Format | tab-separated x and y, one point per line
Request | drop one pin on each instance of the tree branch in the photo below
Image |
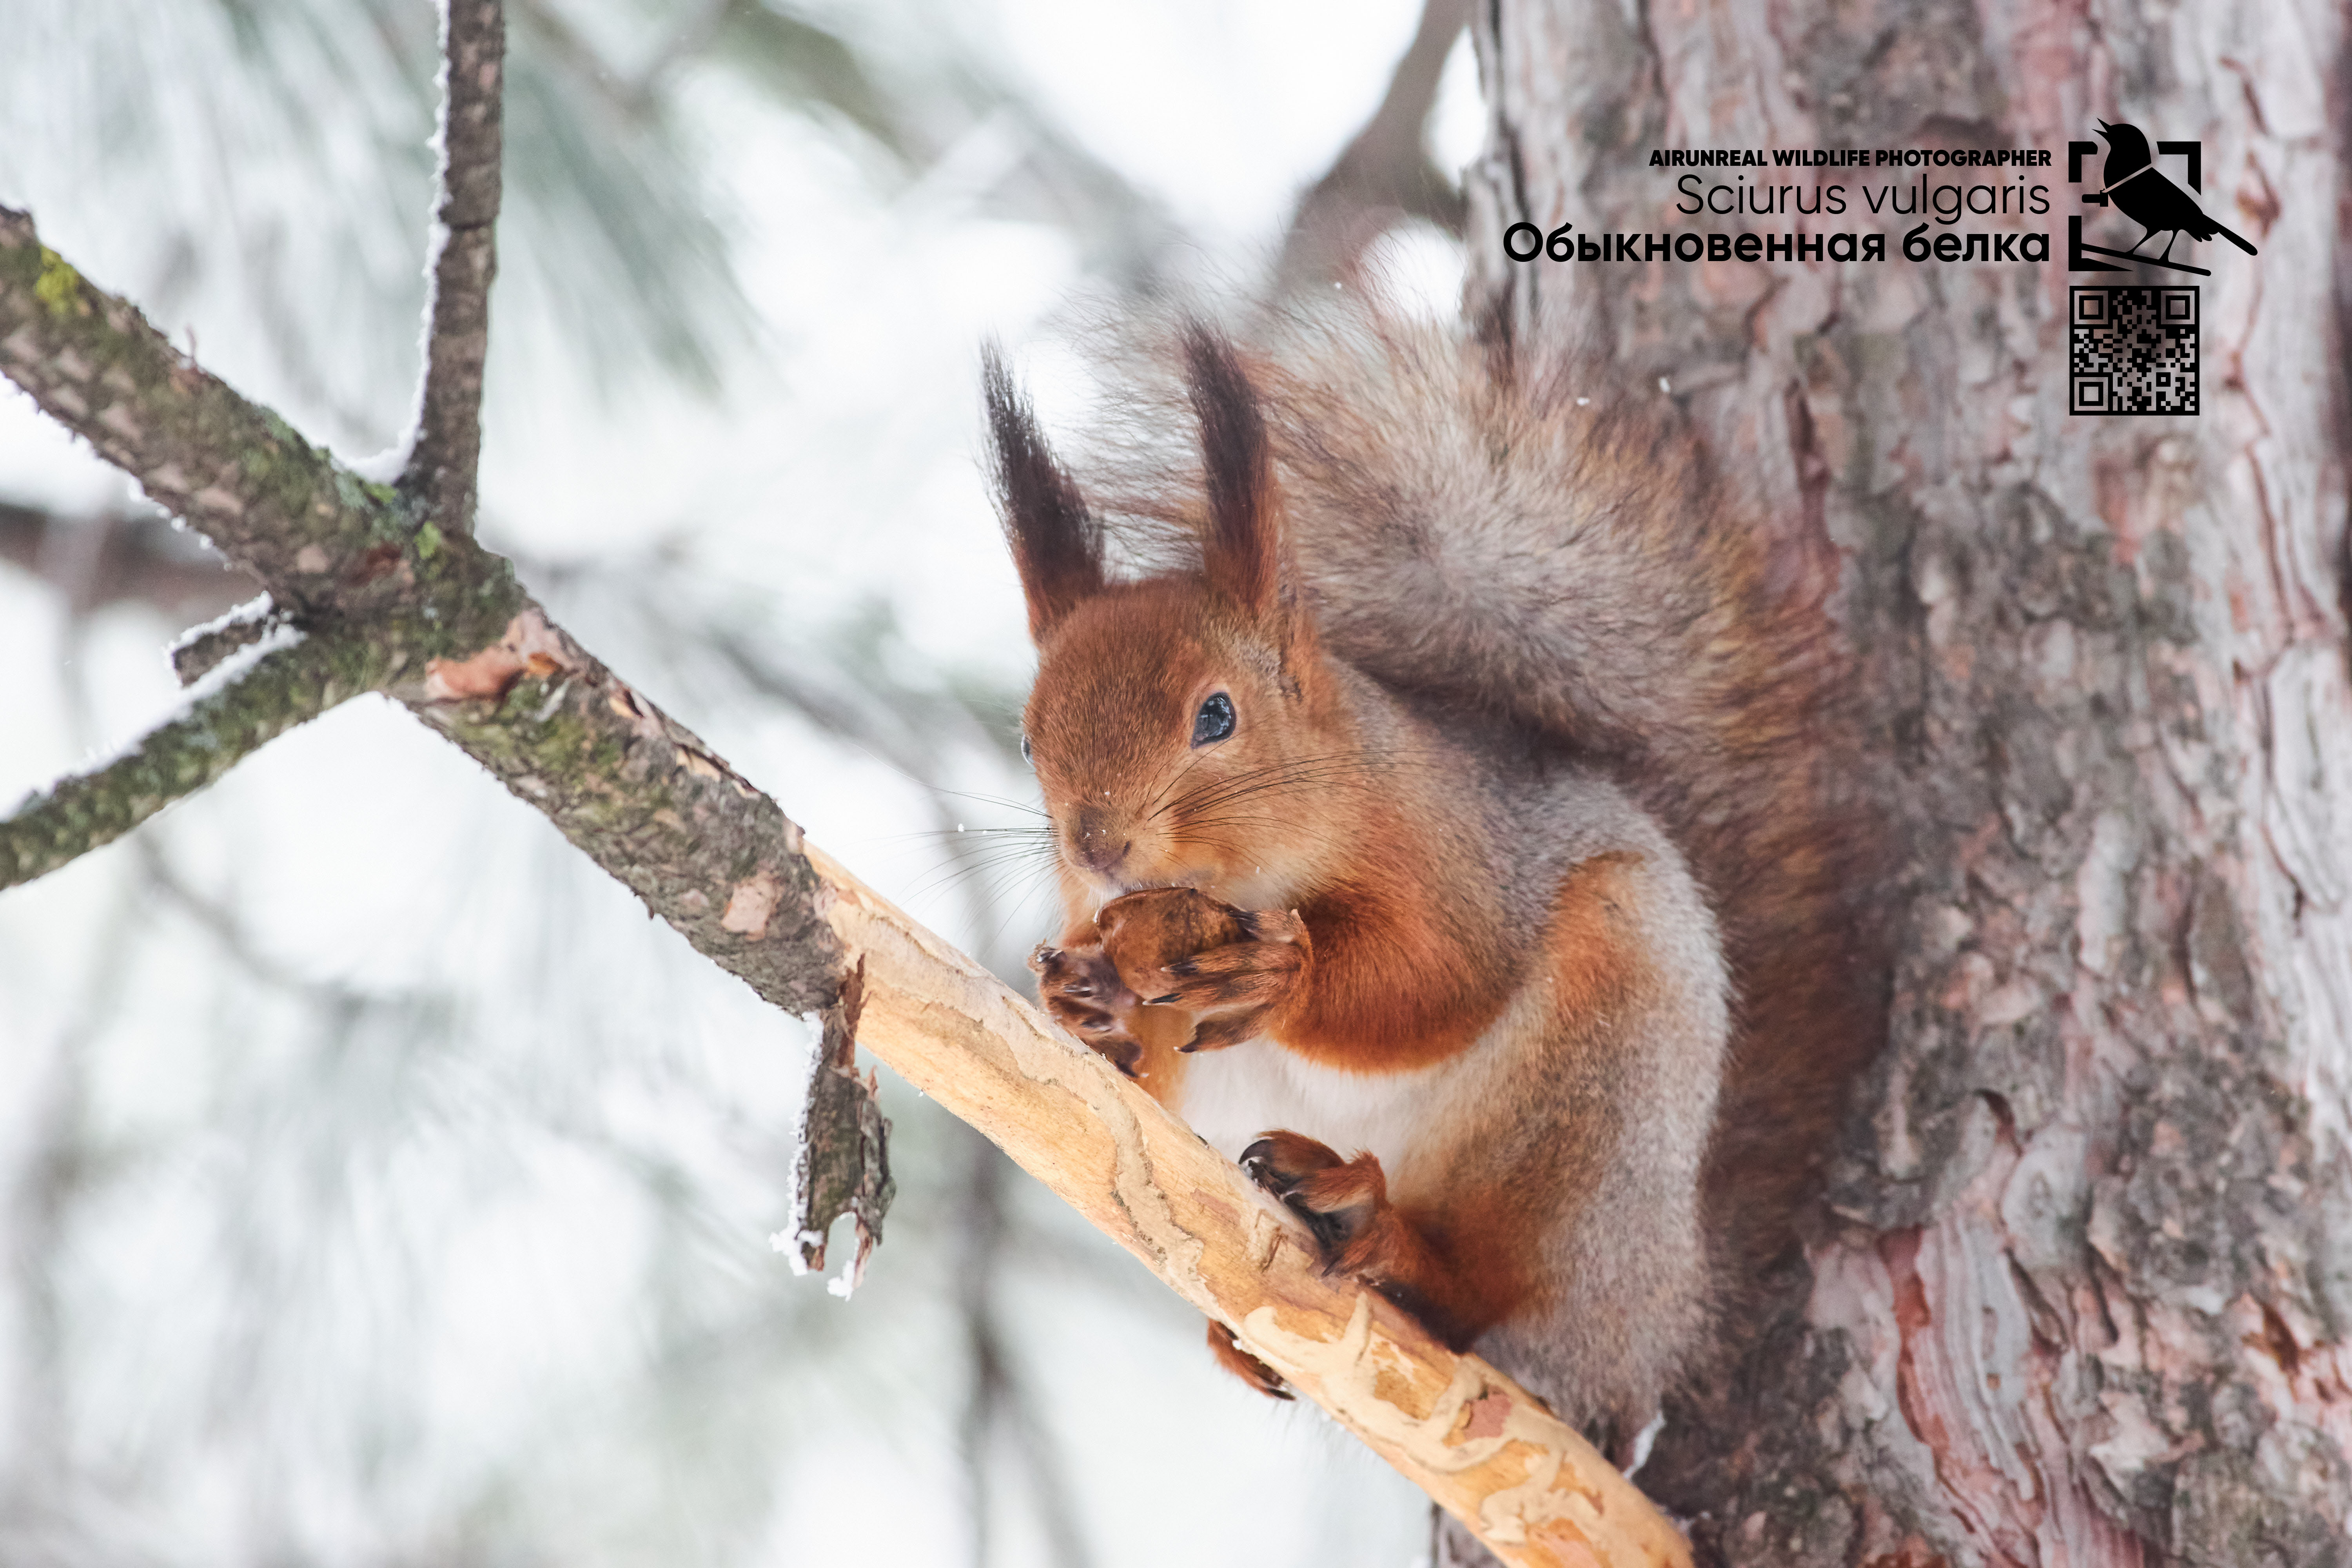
201	650
443	465
325	541
282	688
1385	173
650	803
120	557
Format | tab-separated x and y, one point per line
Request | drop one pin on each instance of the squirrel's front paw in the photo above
1082	990
1227	966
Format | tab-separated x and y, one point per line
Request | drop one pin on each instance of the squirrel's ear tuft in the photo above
1056	546
1242	553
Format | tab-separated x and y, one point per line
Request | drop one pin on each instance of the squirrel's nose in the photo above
1095	842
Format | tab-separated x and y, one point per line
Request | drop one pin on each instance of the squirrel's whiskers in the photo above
1458	798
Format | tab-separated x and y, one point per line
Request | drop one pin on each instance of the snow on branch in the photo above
441	625
252	697
443	462
327	543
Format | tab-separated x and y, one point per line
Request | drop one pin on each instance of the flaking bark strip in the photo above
845	1164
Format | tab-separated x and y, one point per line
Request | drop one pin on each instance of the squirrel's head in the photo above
1186	728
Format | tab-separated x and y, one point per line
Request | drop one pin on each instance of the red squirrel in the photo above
1448	830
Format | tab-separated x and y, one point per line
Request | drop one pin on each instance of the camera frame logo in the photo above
2134	349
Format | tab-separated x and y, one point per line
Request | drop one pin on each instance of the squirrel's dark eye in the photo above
1214	722
1026	756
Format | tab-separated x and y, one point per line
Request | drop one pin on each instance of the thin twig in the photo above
719	860
201	650
443	465
282	688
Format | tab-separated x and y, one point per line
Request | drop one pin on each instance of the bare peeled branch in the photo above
441	625
1532	1490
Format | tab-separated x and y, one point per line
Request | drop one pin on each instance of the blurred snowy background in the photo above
377	1185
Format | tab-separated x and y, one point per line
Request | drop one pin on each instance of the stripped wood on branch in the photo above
440	624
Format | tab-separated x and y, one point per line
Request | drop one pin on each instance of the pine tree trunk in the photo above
2082	1294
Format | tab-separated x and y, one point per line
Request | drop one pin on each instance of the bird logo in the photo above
2136	188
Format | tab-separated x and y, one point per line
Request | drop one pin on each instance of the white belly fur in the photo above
1231	1096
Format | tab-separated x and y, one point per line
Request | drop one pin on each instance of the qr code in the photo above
2133	351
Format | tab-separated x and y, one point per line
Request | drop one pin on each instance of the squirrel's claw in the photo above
1338	1199
1242	975
1357	1231
1085	995
1231	987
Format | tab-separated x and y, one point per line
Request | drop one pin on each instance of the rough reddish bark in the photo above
2083	1294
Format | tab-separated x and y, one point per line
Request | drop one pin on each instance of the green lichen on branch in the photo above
284	687
327	543
362	567
647	800
57	285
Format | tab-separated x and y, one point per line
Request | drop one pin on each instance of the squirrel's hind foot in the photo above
1345	1203
1358	1232
1243	1365
1338	1199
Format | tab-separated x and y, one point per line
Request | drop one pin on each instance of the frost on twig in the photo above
844	1165
201	650
443	624
258	694
442	466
